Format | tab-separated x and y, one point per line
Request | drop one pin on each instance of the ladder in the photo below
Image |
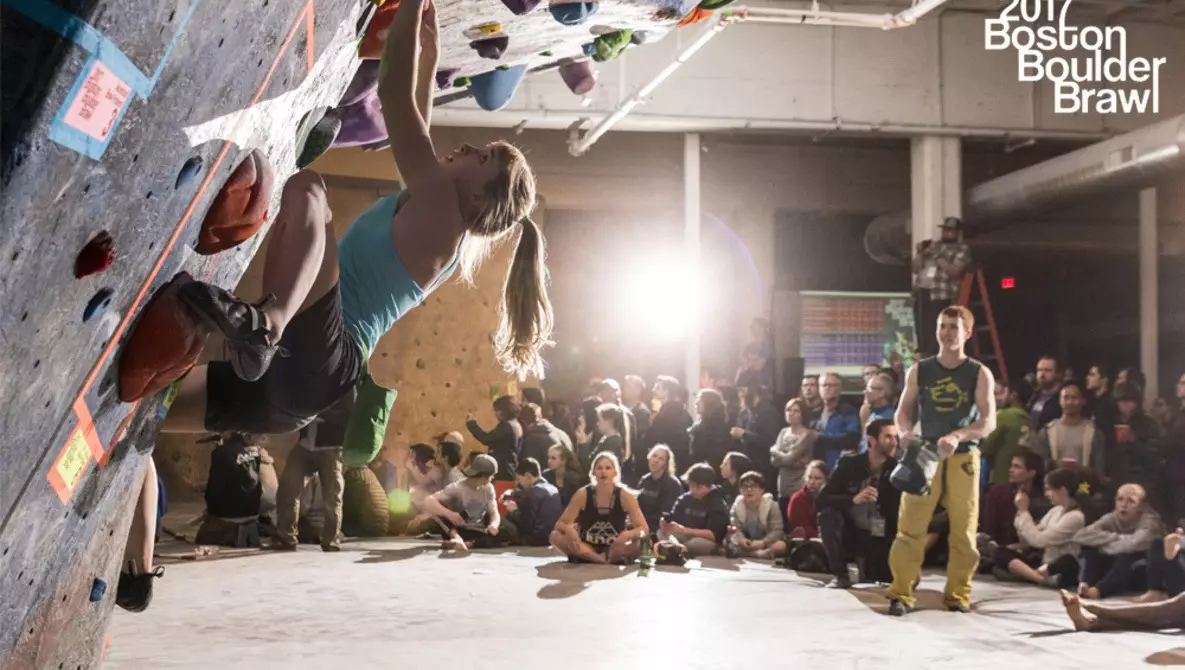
985	321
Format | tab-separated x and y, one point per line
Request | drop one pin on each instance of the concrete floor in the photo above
398	603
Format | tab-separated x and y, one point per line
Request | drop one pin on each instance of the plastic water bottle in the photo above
732	543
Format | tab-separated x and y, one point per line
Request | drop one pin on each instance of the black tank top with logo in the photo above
600	527
946	398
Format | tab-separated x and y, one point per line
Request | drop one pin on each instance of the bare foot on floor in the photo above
1082	619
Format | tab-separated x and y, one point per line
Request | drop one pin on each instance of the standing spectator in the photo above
1137	458
710	437
659	488
560	416
809	392
938	269
793	450
880	401
539	434
732	403
1044	406
312	455
502	442
757	428
1112	545
631	397
534	394
671	420
1174	453
1072	440
858	508
803	519
756	360
1014	430
838	424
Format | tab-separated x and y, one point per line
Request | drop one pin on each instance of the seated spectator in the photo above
757	522
1166	569
539	434
659	488
732	467
1025	474
1097	617
803	519
593	528
501	442
1014	430
792	451
858	509
451	444
234	491
1047	554
1113	544
1072	441
533	506
611	428
699	520
467	511
564	473
427	477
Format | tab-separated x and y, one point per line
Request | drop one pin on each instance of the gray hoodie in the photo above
1113	535
790	455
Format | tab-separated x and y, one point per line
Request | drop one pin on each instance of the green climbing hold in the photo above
504	67
610	45
547	53
713	5
420	364
461	82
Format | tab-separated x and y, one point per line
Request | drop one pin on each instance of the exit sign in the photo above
1008	282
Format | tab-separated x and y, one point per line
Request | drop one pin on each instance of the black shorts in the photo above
323	366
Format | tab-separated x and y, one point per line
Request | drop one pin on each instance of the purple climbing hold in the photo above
445	77
494	89
573	13
364	83
520	7
362	122
492	48
579	76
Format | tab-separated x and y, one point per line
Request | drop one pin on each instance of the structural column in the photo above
691	244
1149	320
936	184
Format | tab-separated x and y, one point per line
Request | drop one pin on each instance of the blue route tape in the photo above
102	50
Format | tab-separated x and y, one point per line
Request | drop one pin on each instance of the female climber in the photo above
303	347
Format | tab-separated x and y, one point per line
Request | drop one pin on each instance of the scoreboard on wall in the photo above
843	332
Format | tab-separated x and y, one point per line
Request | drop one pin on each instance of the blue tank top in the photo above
376	289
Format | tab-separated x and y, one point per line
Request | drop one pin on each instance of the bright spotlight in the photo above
660	300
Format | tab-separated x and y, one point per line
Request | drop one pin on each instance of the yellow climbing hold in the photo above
490	28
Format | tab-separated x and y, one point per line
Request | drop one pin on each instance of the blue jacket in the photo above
842	433
885	412
539	507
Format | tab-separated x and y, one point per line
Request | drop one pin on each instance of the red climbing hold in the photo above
240	208
96	256
165	344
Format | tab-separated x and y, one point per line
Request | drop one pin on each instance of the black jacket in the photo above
539	507
710	440
707	513
539	438
502	443
573	482
761	426
670	428
849	477
657	497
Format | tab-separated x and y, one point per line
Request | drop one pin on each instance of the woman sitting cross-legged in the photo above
1047	554
758	522
659	488
593	528
1112	545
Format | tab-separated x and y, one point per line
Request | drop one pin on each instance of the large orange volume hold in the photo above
165	344
240	208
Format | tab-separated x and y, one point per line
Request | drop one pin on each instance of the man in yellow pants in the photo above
948	401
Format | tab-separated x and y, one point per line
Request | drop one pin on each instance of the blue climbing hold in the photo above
191	169
98	589
573	13
98	304
493	90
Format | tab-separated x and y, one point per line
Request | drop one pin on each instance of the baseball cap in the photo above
452	436
482	464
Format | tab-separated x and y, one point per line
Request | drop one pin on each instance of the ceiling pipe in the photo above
579	143
1128	161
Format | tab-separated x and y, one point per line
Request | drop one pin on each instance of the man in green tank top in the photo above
949	403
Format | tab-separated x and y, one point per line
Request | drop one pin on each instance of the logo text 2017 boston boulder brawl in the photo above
1089	66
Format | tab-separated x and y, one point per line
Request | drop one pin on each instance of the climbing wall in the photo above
123	124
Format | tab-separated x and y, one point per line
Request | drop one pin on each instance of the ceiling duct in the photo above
1125	162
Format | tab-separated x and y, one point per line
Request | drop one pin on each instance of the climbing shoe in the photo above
898	608
318	129
242	323
134	592
843	582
